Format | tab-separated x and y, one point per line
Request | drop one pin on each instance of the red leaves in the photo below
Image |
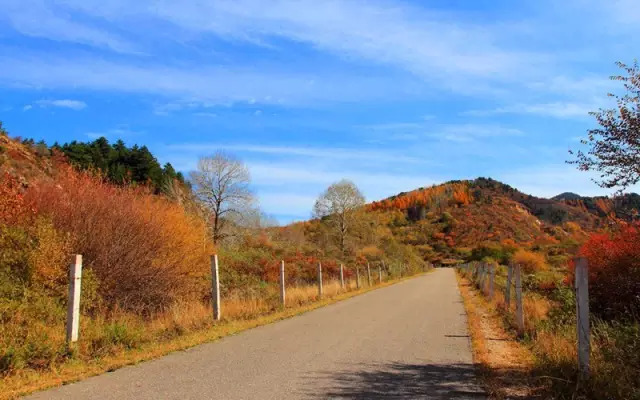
614	272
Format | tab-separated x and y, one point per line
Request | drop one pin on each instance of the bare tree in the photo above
221	183
615	146
339	202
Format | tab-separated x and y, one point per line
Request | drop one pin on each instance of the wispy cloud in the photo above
38	18
432	45
336	153
120	132
555	110
219	85
62	103
420	130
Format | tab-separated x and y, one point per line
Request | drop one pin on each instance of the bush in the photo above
614	273
145	251
529	261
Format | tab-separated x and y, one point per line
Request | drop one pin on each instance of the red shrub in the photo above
614	272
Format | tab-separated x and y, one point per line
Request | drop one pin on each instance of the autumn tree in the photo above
339	203
615	146
221	183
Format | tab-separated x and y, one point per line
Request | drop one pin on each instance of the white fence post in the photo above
215	287
507	289
519	306
369	274
380	273
342	276
582	310
319	279
282	284
73	307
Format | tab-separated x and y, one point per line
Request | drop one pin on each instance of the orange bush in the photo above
144	250
13	207
530	261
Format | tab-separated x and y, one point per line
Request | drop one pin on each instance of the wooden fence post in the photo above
73	306
369	274
215	287
519	307
282	284
357	278
582	310
507	289
492	276
319	279
342	276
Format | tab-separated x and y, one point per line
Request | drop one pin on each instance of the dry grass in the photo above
124	338
552	371
504	364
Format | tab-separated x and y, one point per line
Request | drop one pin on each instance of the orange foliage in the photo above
145	251
461	195
13	207
456	193
530	261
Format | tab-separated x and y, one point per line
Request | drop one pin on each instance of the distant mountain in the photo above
458	215
567	196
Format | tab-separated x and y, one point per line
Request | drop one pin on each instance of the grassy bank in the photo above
550	338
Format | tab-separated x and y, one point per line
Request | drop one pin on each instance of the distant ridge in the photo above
567	196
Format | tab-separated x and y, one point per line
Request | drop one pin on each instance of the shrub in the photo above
530	261
614	273
144	250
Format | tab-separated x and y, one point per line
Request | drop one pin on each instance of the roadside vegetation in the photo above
146	234
146	247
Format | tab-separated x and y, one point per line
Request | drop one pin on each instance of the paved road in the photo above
408	340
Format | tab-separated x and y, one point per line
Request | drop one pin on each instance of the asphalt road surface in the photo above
405	341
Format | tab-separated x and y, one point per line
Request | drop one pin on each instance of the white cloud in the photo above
37	18
315	178
561	110
211	85
120	132
27	107
63	103
427	43
412	131
289	204
328	153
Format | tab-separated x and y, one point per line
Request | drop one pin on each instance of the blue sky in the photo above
393	95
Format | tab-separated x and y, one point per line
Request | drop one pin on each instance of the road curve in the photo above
408	340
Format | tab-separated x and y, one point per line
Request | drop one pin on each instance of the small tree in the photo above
221	183
338	203
615	146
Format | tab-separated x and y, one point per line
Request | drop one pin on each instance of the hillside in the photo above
448	221
442	222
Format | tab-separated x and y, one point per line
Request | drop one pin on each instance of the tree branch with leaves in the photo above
339	203
615	146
